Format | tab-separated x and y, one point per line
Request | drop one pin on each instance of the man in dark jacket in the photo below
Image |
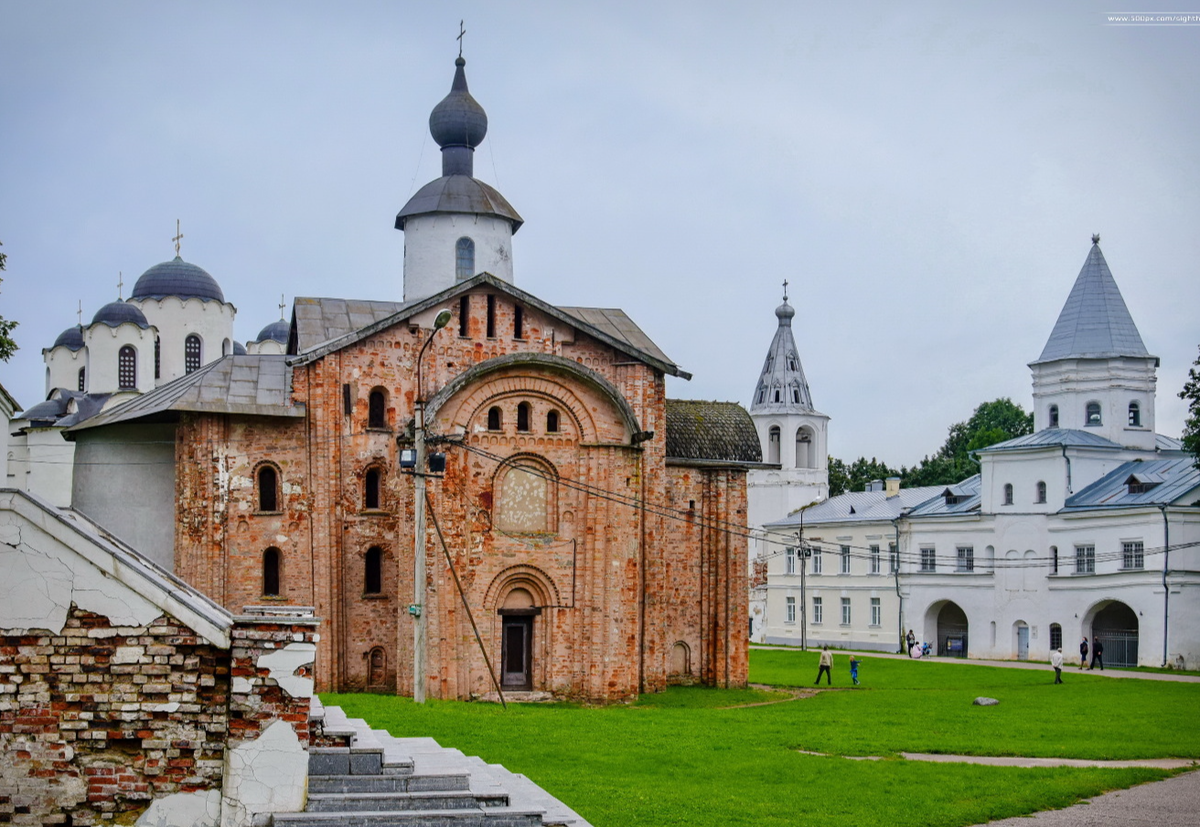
1097	653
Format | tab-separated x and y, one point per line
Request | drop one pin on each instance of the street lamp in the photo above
417	609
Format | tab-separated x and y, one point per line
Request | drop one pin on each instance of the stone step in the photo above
472	817
388	801
357	760
392	783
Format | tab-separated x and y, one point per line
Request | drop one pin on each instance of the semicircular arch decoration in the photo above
535	581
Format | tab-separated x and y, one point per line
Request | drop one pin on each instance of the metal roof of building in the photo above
619	326
1094	322
177	278
1050	437
259	385
859	507
276	331
71	338
118	313
459	194
782	372
960	498
713	431
1172	480
316	321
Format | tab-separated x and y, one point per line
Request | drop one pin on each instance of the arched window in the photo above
127	368
778	398
762	394
1053	416
1008	493
796	394
1055	636
268	488
552	422
526	498
1135	415
157	357
464	258
494	419
523	416
226	347
773	444
371	488
271	565
377	409
1041	492
373	573
791	362
377	668
1093	414
82	379
804	448
191	353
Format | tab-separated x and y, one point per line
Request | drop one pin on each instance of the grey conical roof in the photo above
782	374
1094	323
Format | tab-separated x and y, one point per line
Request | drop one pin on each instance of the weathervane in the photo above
785	284
461	32
178	236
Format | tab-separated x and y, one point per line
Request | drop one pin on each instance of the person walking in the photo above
1097	653
1083	650
853	669
909	640
825	667
1056	660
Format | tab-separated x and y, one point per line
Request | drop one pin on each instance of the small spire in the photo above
461	32
177	238
120	286
1095	238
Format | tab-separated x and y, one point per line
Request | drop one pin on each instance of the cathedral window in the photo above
373	571
552	422
157	357
494	419
377	409
1093	414
773	444
464	316
464	259
525	498
1135	415
1008	493
523	416
1041	492
270	572
518	322
371	487
268	488
127	368
191	353
1053	416
82	379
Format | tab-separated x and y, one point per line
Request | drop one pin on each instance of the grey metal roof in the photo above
1167	443
1094	323
317	321
1048	437
1178	483
275	331
458	120
458	194
64	408
256	385
966	493
721	431
616	324
177	278
118	313
71	338
782	374
859	507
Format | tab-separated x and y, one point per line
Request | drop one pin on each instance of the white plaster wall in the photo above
175	318
197	809
1114	383
104	343
429	250
63	368
268	346
266	775
41	464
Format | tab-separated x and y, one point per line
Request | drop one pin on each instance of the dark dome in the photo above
71	338
118	313
278	331
239	349
458	120
177	278
785	312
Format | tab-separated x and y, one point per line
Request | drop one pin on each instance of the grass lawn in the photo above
699	757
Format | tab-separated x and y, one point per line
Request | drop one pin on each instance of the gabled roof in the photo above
1094	323
611	327
259	385
1053	437
961	498
1171	481
859	507
316	321
711	431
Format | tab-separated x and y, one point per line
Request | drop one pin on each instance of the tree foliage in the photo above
7	345
854	476
1191	425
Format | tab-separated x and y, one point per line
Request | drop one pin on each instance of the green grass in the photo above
700	756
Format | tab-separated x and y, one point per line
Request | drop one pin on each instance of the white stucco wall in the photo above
1113	383
42	464
175	319
103	345
429	250
63	366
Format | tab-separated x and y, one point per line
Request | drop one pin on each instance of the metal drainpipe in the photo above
1068	459
899	597
1166	570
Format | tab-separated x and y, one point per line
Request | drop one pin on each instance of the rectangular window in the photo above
790	558
876	612
928	560
874	559
518	322
816	558
791	610
491	317
464	316
1132	555
845	611
818	610
893	558
845	559
1054	559
966	558
1085	559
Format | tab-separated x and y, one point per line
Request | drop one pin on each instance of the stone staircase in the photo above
362	777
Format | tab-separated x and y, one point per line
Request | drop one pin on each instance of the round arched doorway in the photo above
1116	625
952	631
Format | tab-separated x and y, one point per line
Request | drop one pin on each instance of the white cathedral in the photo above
1088	527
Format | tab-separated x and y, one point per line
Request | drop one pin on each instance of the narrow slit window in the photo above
127	368
523	416
552	422
373	576
377	409
494	419
371	488
271	572
82	379
518	322
491	317
1053	416
464	315
268	489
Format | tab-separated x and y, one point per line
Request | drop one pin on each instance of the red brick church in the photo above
585	538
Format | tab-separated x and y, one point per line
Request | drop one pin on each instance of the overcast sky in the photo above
926	176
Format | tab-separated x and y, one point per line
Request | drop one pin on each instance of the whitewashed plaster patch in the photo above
242	686
283	664
35	591
267	775
199	809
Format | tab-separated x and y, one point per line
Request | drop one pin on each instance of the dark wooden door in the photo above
516	657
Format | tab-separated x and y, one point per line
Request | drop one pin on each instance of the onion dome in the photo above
239	349
458	121
118	313
71	338
275	331
177	278
784	313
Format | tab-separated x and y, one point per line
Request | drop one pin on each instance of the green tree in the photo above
856	475
1191	425
7	345
992	422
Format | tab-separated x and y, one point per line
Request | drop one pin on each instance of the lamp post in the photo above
417	609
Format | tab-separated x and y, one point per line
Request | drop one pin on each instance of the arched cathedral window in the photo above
1093	414
1135	415
773	444
191	353
464	258
127	368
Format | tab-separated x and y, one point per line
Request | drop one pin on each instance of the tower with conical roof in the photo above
456	226
1095	374
792	432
